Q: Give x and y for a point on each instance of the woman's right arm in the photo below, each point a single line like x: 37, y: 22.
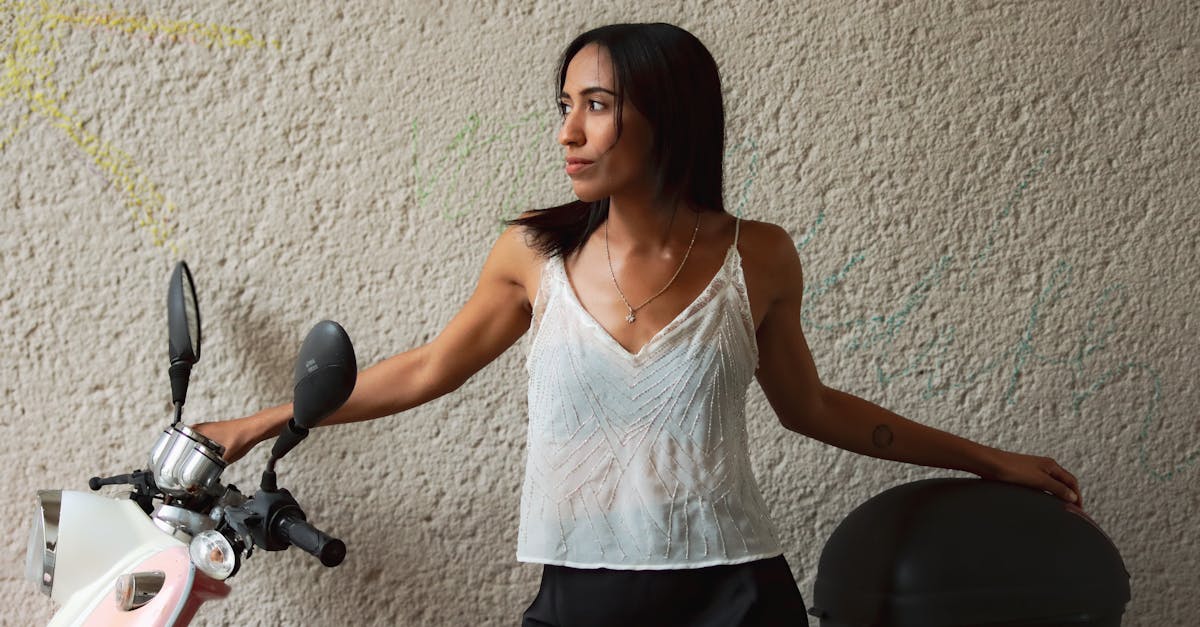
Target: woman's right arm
x: 491, y: 321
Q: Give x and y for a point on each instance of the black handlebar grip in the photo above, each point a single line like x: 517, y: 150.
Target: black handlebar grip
x: 297, y: 532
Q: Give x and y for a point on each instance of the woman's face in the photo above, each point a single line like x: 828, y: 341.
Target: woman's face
x: 598, y: 163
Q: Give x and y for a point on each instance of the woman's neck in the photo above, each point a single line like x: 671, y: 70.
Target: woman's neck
x: 637, y: 224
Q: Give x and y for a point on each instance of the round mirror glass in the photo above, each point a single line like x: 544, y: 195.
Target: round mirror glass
x: 183, y: 316
x: 191, y: 311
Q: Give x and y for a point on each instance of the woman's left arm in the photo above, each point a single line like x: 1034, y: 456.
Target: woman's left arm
x: 803, y: 404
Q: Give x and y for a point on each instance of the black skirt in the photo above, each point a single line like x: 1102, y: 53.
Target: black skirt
x: 755, y: 594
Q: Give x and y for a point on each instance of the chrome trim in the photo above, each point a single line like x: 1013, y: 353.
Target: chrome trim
x: 50, y: 507
x: 200, y: 439
x: 160, y: 449
x: 180, y: 523
x: 144, y: 586
x: 186, y: 462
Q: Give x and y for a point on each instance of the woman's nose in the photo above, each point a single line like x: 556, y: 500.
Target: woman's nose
x: 571, y: 132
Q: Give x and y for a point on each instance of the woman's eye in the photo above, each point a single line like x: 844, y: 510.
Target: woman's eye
x: 593, y: 105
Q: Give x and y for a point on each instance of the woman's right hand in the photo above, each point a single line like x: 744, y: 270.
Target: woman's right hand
x: 240, y: 435
x: 229, y: 434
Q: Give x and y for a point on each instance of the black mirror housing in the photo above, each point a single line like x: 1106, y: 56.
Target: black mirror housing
x: 183, y: 332
x: 325, y: 374
x: 183, y: 317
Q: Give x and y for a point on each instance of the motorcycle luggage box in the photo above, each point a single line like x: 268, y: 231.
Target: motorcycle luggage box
x: 956, y: 552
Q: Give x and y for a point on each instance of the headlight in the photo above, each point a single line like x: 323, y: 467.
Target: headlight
x: 214, y: 555
x: 43, y: 540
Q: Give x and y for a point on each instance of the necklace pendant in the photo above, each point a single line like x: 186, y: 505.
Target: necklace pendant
x: 630, y: 318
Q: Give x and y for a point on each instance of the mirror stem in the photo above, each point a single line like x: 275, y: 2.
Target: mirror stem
x: 179, y: 372
x: 291, y: 435
x: 268, y: 483
x: 178, y: 413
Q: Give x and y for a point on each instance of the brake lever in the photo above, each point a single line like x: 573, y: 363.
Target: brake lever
x: 144, y: 488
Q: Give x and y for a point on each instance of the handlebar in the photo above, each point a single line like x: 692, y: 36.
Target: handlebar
x: 293, y: 529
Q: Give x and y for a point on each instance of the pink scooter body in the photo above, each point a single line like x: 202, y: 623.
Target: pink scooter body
x: 101, y: 538
x: 182, y: 593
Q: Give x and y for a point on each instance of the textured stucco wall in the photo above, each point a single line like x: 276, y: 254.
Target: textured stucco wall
x: 994, y: 203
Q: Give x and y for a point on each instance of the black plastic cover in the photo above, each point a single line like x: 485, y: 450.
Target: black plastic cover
x: 183, y: 317
x: 183, y: 332
x: 949, y: 552
x: 326, y: 371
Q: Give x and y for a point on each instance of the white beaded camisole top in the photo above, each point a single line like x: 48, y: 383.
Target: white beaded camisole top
x: 640, y: 461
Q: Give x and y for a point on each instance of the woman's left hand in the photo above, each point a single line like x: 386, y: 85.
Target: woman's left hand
x: 1041, y: 473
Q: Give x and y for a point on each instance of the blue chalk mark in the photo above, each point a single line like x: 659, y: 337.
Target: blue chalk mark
x: 929, y: 362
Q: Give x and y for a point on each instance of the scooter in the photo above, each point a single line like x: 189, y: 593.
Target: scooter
x: 153, y: 558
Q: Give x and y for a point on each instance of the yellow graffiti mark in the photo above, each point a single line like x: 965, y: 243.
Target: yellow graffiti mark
x: 212, y: 35
x: 32, y: 46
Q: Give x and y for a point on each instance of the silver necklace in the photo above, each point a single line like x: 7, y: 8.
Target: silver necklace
x: 633, y: 310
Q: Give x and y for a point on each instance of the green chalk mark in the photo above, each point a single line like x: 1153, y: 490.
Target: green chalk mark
x: 439, y: 170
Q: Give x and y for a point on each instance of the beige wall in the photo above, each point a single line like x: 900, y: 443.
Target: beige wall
x: 994, y: 203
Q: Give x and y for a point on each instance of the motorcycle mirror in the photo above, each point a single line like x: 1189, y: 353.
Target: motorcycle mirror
x: 325, y: 374
x: 183, y: 331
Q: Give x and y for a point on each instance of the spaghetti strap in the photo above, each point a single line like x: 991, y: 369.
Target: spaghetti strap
x: 737, y: 229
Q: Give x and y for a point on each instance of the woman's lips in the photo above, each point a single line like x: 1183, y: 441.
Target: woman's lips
x: 574, y: 166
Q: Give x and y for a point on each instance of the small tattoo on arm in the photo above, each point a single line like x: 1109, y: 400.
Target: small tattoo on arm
x: 882, y: 436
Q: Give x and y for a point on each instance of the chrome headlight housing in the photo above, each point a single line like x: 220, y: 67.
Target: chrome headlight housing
x: 43, y: 540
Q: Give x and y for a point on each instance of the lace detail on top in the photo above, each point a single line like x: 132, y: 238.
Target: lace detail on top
x: 639, y: 460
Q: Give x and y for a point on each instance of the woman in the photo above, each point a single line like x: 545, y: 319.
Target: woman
x: 651, y: 309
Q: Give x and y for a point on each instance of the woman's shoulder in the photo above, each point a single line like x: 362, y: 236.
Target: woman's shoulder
x: 519, y: 257
x: 770, y: 263
x: 765, y: 244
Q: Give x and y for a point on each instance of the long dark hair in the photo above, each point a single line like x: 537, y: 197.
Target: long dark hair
x: 672, y: 79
